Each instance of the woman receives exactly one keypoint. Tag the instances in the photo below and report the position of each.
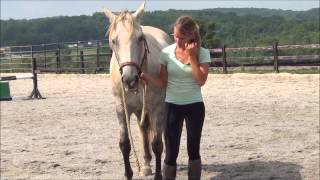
(184, 69)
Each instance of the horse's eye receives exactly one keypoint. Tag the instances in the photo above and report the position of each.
(141, 38)
(114, 40)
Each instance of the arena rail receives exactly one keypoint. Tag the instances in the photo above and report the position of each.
(94, 57)
(276, 59)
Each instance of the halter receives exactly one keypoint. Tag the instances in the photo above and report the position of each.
(131, 63)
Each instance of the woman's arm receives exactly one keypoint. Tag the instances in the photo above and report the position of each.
(199, 71)
(160, 81)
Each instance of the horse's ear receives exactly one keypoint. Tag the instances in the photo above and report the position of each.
(109, 14)
(139, 12)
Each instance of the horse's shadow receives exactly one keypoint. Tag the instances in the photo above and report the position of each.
(251, 170)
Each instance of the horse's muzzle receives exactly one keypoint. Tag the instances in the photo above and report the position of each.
(131, 83)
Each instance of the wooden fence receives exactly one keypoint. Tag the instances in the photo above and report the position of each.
(276, 60)
(94, 57)
(81, 56)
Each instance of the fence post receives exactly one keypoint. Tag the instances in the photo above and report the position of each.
(35, 92)
(32, 53)
(224, 60)
(78, 50)
(58, 69)
(32, 56)
(11, 59)
(275, 58)
(82, 62)
(98, 57)
(45, 55)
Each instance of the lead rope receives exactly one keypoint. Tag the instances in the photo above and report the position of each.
(144, 95)
(142, 118)
(128, 122)
(144, 102)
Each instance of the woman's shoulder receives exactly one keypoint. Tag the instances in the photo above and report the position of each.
(169, 48)
(204, 55)
(204, 51)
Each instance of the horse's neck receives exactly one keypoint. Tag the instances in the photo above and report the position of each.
(158, 35)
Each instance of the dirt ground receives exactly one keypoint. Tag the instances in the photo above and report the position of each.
(256, 127)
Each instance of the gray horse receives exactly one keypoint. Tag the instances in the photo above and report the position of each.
(137, 48)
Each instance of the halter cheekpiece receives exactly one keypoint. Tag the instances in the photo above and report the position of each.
(131, 63)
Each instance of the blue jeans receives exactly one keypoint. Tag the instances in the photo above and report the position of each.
(193, 114)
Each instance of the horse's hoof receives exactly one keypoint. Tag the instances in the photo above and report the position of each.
(158, 177)
(126, 178)
(146, 171)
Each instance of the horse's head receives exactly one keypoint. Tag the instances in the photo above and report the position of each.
(128, 44)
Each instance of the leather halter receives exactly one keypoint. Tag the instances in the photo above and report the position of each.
(131, 63)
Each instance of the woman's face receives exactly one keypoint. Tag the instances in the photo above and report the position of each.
(181, 39)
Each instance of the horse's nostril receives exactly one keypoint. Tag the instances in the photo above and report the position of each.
(130, 81)
(136, 77)
(132, 84)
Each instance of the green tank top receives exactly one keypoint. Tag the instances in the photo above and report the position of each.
(181, 87)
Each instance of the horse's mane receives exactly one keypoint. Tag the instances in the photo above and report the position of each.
(124, 17)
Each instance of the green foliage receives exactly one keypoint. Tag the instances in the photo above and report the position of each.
(241, 27)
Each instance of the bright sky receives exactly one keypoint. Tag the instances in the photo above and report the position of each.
(29, 9)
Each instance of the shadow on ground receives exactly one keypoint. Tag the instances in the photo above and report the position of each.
(250, 170)
(255, 170)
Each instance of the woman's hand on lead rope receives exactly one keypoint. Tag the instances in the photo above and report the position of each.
(144, 77)
(160, 81)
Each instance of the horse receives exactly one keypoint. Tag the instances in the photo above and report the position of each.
(137, 48)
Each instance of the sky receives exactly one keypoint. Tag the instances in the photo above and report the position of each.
(30, 9)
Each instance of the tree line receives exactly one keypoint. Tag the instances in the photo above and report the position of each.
(234, 27)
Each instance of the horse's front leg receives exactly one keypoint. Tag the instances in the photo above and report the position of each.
(157, 147)
(157, 144)
(144, 135)
(124, 142)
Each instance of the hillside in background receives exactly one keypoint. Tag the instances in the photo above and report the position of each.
(234, 27)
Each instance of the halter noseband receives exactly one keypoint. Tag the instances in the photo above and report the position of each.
(131, 63)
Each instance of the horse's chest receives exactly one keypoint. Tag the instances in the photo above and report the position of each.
(133, 101)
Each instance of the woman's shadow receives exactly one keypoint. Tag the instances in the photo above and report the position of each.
(254, 170)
